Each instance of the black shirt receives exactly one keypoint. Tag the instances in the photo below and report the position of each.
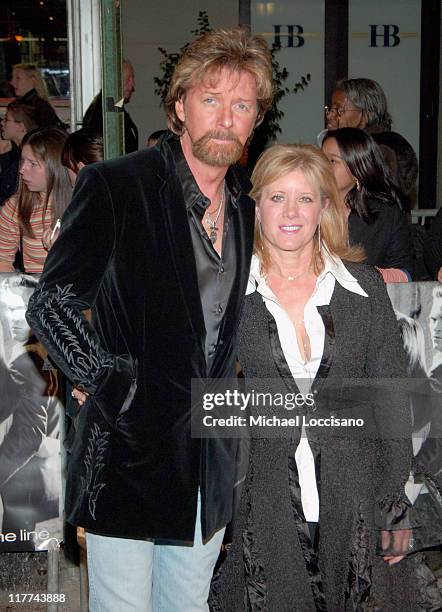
(215, 273)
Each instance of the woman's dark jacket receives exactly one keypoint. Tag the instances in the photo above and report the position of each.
(271, 566)
(387, 241)
(125, 251)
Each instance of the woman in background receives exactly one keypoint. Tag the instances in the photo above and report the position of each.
(19, 119)
(43, 194)
(30, 88)
(81, 148)
(372, 201)
(361, 103)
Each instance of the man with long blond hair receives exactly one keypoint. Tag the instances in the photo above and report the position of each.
(158, 245)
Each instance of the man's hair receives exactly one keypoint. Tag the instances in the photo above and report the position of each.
(34, 73)
(235, 49)
(368, 96)
(23, 113)
(278, 161)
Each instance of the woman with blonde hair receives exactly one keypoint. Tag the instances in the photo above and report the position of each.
(43, 194)
(30, 88)
(323, 521)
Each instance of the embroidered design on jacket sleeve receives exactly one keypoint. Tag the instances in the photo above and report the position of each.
(94, 463)
(68, 337)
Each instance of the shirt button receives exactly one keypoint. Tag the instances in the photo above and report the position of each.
(221, 270)
(220, 309)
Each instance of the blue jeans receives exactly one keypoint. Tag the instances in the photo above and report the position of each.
(144, 576)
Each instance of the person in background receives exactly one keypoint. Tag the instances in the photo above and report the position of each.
(93, 117)
(361, 103)
(83, 147)
(154, 137)
(373, 202)
(30, 88)
(43, 194)
(19, 119)
(433, 247)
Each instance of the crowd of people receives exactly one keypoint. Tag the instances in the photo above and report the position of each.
(170, 264)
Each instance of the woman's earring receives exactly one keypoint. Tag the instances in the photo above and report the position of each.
(358, 184)
(319, 238)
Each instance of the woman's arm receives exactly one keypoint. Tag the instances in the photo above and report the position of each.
(399, 252)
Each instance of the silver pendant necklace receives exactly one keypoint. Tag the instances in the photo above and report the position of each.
(212, 223)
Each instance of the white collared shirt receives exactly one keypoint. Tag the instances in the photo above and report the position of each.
(304, 372)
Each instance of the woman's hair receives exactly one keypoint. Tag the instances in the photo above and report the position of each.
(83, 146)
(366, 163)
(414, 344)
(47, 145)
(279, 160)
(34, 73)
(23, 113)
(368, 96)
(235, 49)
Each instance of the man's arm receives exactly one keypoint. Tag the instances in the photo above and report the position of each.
(69, 284)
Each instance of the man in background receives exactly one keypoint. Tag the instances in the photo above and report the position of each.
(93, 117)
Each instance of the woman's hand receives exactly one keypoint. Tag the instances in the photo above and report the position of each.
(439, 275)
(398, 540)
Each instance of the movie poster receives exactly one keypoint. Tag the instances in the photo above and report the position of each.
(30, 410)
(418, 308)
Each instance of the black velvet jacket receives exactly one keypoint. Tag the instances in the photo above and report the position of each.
(125, 251)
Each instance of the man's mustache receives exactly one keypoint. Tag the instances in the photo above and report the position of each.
(220, 135)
